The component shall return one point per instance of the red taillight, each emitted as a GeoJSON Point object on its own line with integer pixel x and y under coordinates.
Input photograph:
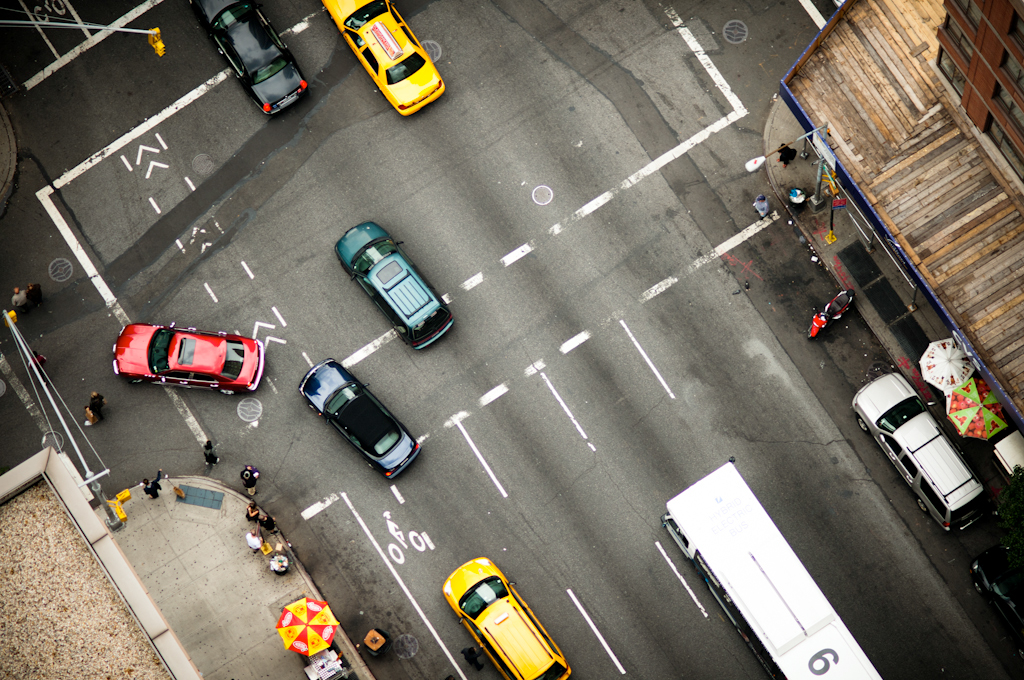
{"type": "Point", "coordinates": [302, 85]}
{"type": "Point", "coordinates": [403, 107]}
{"type": "Point", "coordinates": [266, 108]}
{"type": "Point", "coordinates": [388, 473]}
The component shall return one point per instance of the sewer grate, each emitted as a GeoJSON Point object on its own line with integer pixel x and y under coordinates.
{"type": "Point", "coordinates": [885, 300]}
{"type": "Point", "coordinates": [910, 336]}
{"type": "Point", "coordinates": [61, 269]}
{"type": "Point", "coordinates": [204, 498]}
{"type": "Point", "coordinates": [859, 264]}
{"type": "Point", "coordinates": [433, 50]}
{"type": "Point", "coordinates": [735, 31]}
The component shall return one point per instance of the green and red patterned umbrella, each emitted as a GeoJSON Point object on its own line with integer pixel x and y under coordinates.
{"type": "Point", "coordinates": [974, 410]}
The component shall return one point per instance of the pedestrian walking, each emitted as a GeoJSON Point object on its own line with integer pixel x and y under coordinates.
{"type": "Point", "coordinates": [208, 454]}
{"type": "Point", "coordinates": [268, 523]}
{"type": "Point", "coordinates": [96, 404]}
{"type": "Point", "coordinates": [34, 292]}
{"type": "Point", "coordinates": [153, 488]}
{"type": "Point", "coordinates": [786, 155]}
{"type": "Point", "coordinates": [471, 654]}
{"type": "Point", "coordinates": [252, 513]}
{"type": "Point", "coordinates": [20, 300]}
{"type": "Point", "coordinates": [250, 475]}
{"type": "Point", "coordinates": [253, 540]}
{"type": "Point", "coordinates": [761, 205]}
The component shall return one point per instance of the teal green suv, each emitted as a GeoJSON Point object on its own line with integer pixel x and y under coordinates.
{"type": "Point", "coordinates": [374, 259]}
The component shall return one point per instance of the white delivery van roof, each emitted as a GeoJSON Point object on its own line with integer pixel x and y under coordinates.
{"type": "Point", "coordinates": [739, 542]}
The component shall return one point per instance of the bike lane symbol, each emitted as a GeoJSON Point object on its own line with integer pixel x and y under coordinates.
{"type": "Point", "coordinates": [419, 540]}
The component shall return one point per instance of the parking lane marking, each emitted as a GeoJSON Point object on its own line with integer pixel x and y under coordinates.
{"type": "Point", "coordinates": [516, 254]}
{"type": "Point", "coordinates": [210, 291]}
{"type": "Point", "coordinates": [493, 394]}
{"type": "Point", "coordinates": [574, 342]}
{"type": "Point", "coordinates": [401, 583]}
{"type": "Point", "coordinates": [39, 29]}
{"type": "Point", "coordinates": [600, 638]}
{"type": "Point", "coordinates": [394, 490]}
{"type": "Point", "coordinates": [533, 368]}
{"type": "Point", "coordinates": [280, 318]}
{"type": "Point", "coordinates": [247, 270]}
{"type": "Point", "coordinates": [680, 577]}
{"type": "Point", "coordinates": [192, 187]}
{"type": "Point", "coordinates": [318, 507]}
{"type": "Point", "coordinates": [308, 360]}
{"type": "Point", "coordinates": [579, 428]}
{"type": "Point", "coordinates": [456, 421]}
{"type": "Point", "coordinates": [157, 209]}
{"type": "Point", "coordinates": [650, 363]}
{"type": "Point", "coordinates": [473, 281]}
{"type": "Point", "coordinates": [369, 349]}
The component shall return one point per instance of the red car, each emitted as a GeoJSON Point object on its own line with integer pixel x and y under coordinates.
{"type": "Point", "coordinates": [188, 358]}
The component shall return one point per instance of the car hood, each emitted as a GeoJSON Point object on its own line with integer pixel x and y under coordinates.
{"type": "Point", "coordinates": [879, 396]}
{"type": "Point", "coordinates": [132, 349]}
{"type": "Point", "coordinates": [280, 85]}
{"type": "Point", "coordinates": [355, 238]}
{"type": "Point", "coordinates": [323, 380]}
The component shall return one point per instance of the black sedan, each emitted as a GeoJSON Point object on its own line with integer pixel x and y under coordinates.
{"type": "Point", "coordinates": [345, 403]}
{"type": "Point", "coordinates": [1003, 586]}
{"type": "Point", "coordinates": [257, 55]}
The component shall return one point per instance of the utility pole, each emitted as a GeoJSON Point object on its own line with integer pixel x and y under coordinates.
{"type": "Point", "coordinates": [153, 33]}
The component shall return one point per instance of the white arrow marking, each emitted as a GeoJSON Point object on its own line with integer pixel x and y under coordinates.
{"type": "Point", "coordinates": [256, 328]}
{"type": "Point", "coordinates": [143, 147]}
{"type": "Point", "coordinates": [153, 164]}
{"type": "Point", "coordinates": [271, 338]}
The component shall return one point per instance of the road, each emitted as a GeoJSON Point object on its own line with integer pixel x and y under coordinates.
{"type": "Point", "coordinates": [604, 356]}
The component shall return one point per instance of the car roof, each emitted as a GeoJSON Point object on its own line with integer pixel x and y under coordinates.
{"type": "Point", "coordinates": [882, 394]}
{"type": "Point", "coordinates": [515, 637]}
{"type": "Point", "coordinates": [253, 44]}
{"type": "Point", "coordinates": [197, 352]}
{"type": "Point", "coordinates": [407, 294]}
{"type": "Point", "coordinates": [355, 238]}
{"type": "Point", "coordinates": [362, 417]}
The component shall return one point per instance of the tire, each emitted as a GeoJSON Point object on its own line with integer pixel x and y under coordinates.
{"type": "Point", "coordinates": [862, 425]}
{"type": "Point", "coordinates": [920, 504]}
{"type": "Point", "coordinates": [226, 392]}
{"type": "Point", "coordinates": [982, 592]}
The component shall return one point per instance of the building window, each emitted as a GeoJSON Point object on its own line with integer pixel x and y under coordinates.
{"type": "Point", "coordinates": [1014, 111]}
{"type": "Point", "coordinates": [1017, 29]}
{"type": "Point", "coordinates": [959, 38]}
{"type": "Point", "coordinates": [970, 10]}
{"type": "Point", "coordinates": [956, 78]}
{"type": "Point", "coordinates": [998, 136]}
{"type": "Point", "coordinates": [1012, 68]}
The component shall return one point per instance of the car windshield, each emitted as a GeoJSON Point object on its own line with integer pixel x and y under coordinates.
{"type": "Point", "coordinates": [269, 70]}
{"type": "Point", "coordinates": [899, 414]}
{"type": "Point", "coordinates": [1010, 584]}
{"type": "Point", "coordinates": [231, 15]}
{"type": "Point", "coordinates": [482, 595]}
{"type": "Point", "coordinates": [234, 359]}
{"type": "Point", "coordinates": [405, 68]}
{"type": "Point", "coordinates": [373, 254]}
{"type": "Point", "coordinates": [342, 397]}
{"type": "Point", "coordinates": [158, 349]}
{"type": "Point", "coordinates": [385, 443]}
{"type": "Point", "coordinates": [364, 14]}
{"type": "Point", "coordinates": [556, 671]}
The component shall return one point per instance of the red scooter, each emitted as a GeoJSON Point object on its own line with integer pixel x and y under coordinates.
{"type": "Point", "coordinates": [833, 310]}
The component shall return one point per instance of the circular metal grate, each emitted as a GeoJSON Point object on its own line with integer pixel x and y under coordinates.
{"type": "Point", "coordinates": [735, 31]}
{"type": "Point", "coordinates": [433, 50]}
{"type": "Point", "coordinates": [61, 269]}
{"type": "Point", "coordinates": [406, 646]}
{"type": "Point", "coordinates": [542, 195]}
{"type": "Point", "coordinates": [53, 439]}
{"type": "Point", "coordinates": [250, 409]}
{"type": "Point", "coordinates": [203, 164]}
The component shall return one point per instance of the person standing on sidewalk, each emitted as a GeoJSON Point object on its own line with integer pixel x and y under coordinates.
{"type": "Point", "coordinates": [34, 292]}
{"type": "Point", "coordinates": [250, 475]}
{"type": "Point", "coordinates": [268, 523]}
{"type": "Point", "coordinates": [20, 300]}
{"type": "Point", "coordinates": [96, 404]}
{"type": "Point", "coordinates": [761, 205]}
{"type": "Point", "coordinates": [252, 513]}
{"type": "Point", "coordinates": [208, 454]}
{"type": "Point", "coordinates": [471, 654]}
{"type": "Point", "coordinates": [153, 489]}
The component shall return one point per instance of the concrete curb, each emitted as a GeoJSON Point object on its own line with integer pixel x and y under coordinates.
{"type": "Point", "coordinates": [8, 159]}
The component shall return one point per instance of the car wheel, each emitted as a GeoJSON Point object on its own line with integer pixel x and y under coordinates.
{"type": "Point", "coordinates": [862, 425]}
{"type": "Point", "coordinates": [136, 381]}
{"type": "Point", "coordinates": [226, 392]}
{"type": "Point", "coordinates": [978, 588]}
{"type": "Point", "coordinates": [920, 504]}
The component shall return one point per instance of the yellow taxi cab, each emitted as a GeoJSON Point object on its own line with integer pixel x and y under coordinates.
{"type": "Point", "coordinates": [390, 53]}
{"type": "Point", "coordinates": [501, 622]}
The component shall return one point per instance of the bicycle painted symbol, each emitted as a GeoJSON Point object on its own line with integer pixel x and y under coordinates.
{"type": "Point", "coordinates": [417, 539]}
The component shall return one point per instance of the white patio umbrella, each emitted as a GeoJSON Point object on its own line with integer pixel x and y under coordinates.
{"type": "Point", "coordinates": [945, 365]}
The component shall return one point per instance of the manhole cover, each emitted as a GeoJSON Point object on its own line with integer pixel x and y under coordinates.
{"type": "Point", "coordinates": [53, 439]}
{"type": "Point", "coordinates": [433, 49]}
{"type": "Point", "coordinates": [250, 409]}
{"type": "Point", "coordinates": [542, 195]}
{"type": "Point", "coordinates": [61, 269]}
{"type": "Point", "coordinates": [202, 164]}
{"type": "Point", "coordinates": [735, 31]}
{"type": "Point", "coordinates": [406, 646]}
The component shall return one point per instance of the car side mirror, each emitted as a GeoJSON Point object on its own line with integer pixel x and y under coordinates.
{"type": "Point", "coordinates": [353, 276]}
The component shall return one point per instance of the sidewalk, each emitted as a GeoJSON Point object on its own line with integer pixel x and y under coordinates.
{"type": "Point", "coordinates": [219, 597]}
{"type": "Point", "coordinates": [884, 295]}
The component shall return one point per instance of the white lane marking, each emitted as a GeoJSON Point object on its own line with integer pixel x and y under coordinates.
{"type": "Point", "coordinates": [516, 254]}
{"type": "Point", "coordinates": [473, 281]}
{"type": "Point", "coordinates": [716, 254]}
{"type": "Point", "coordinates": [39, 29]}
{"type": "Point", "coordinates": [182, 408]}
{"type": "Point", "coordinates": [127, 164]}
{"type": "Point", "coordinates": [140, 130]}
{"type": "Point", "coordinates": [318, 507]}
{"type": "Point", "coordinates": [154, 164]}
{"type": "Point", "coordinates": [401, 583]}
{"type": "Point", "coordinates": [446, 298]}
{"type": "Point", "coordinates": [23, 395]}
{"type": "Point", "coordinates": [579, 428]}
{"type": "Point", "coordinates": [705, 61]}
{"type": "Point", "coordinates": [600, 637]}
{"type": "Point", "coordinates": [456, 421]}
{"type": "Point", "coordinates": [279, 317]}
{"type": "Point", "coordinates": [394, 490]}
{"type": "Point", "coordinates": [574, 342]}
{"type": "Point", "coordinates": [369, 349]}
{"type": "Point", "coordinates": [493, 394]}
{"type": "Point", "coordinates": [247, 270]}
{"type": "Point", "coordinates": [680, 577]}
{"type": "Point", "coordinates": [533, 368]}
{"type": "Point", "coordinates": [300, 27]}
{"type": "Point", "coordinates": [259, 324]}
{"type": "Point", "coordinates": [813, 12]}
{"type": "Point", "coordinates": [180, 247]}
{"type": "Point", "coordinates": [77, 18]}
{"type": "Point", "coordinates": [93, 40]}
{"type": "Point", "coordinates": [271, 338]}
{"type": "Point", "coordinates": [143, 147]}
{"type": "Point", "coordinates": [192, 187]}
{"type": "Point", "coordinates": [308, 361]}
{"type": "Point", "coordinates": [650, 363]}
{"type": "Point", "coordinates": [157, 209]}
{"type": "Point", "coordinates": [423, 438]}
{"type": "Point", "coordinates": [210, 291]}
{"type": "Point", "coordinates": [161, 140]}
